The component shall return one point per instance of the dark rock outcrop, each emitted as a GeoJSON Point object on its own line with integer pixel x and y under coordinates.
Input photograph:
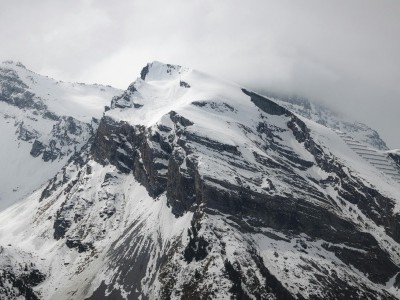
{"type": "Point", "coordinates": [18, 282]}
{"type": "Point", "coordinates": [144, 72]}
{"type": "Point", "coordinates": [266, 105]}
{"type": "Point", "coordinates": [396, 158]}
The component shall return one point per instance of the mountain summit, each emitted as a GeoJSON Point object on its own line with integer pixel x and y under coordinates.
{"type": "Point", "coordinates": [191, 187]}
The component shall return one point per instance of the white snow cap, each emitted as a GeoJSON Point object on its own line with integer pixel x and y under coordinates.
{"type": "Point", "coordinates": [160, 71]}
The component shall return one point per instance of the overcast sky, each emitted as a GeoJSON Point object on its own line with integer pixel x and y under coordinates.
{"type": "Point", "coordinates": [346, 53]}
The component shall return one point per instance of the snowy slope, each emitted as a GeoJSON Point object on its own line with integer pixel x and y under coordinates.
{"type": "Point", "coordinates": [195, 188]}
{"type": "Point", "coordinates": [42, 122]}
{"type": "Point", "coordinates": [78, 100]}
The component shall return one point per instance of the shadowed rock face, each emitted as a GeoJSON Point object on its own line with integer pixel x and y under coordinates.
{"type": "Point", "coordinates": [15, 92]}
{"type": "Point", "coordinates": [396, 158]}
{"type": "Point", "coordinates": [144, 72]}
{"type": "Point", "coordinates": [128, 149]}
{"type": "Point", "coordinates": [266, 105]}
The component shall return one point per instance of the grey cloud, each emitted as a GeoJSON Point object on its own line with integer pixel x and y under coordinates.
{"type": "Point", "coordinates": [345, 53]}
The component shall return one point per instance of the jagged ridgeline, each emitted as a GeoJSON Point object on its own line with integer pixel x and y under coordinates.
{"type": "Point", "coordinates": [190, 187]}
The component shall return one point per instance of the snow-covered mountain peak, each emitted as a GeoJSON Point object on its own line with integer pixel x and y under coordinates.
{"type": "Point", "coordinates": [25, 88]}
{"type": "Point", "coordinates": [161, 71]}
{"type": "Point", "coordinates": [167, 88]}
{"type": "Point", "coordinates": [196, 188]}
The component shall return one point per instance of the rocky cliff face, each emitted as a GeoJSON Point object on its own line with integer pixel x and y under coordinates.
{"type": "Point", "coordinates": [209, 191]}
